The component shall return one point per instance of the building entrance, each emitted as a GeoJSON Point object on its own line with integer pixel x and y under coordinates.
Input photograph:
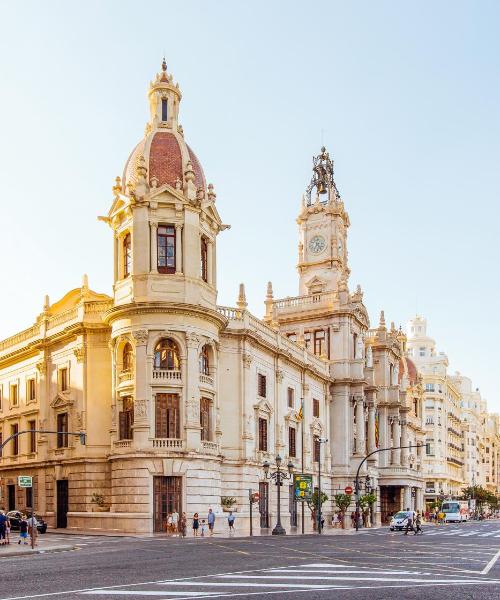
{"type": "Point", "coordinates": [62, 504]}
{"type": "Point", "coordinates": [167, 498]}
{"type": "Point", "coordinates": [390, 501]}
{"type": "Point", "coordinates": [11, 497]}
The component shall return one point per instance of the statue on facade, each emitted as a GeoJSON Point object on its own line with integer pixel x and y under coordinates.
{"type": "Point", "coordinates": [369, 357]}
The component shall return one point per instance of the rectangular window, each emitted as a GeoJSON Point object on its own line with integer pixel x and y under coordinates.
{"type": "Point", "coordinates": [316, 449]}
{"type": "Point", "coordinates": [167, 416]}
{"type": "Point", "coordinates": [292, 438]}
{"type": "Point", "coordinates": [14, 395]}
{"type": "Point", "coordinates": [32, 438]}
{"type": "Point", "coordinates": [290, 397]}
{"type": "Point", "coordinates": [15, 441]}
{"type": "Point", "coordinates": [315, 408]}
{"type": "Point", "coordinates": [307, 339]}
{"type": "Point", "coordinates": [204, 259]}
{"type": "Point", "coordinates": [63, 379]}
{"type": "Point", "coordinates": [62, 430]}
{"type": "Point", "coordinates": [164, 109]}
{"type": "Point", "coordinates": [31, 390]}
{"type": "Point", "coordinates": [429, 387]}
{"type": "Point", "coordinates": [421, 351]}
{"type": "Point", "coordinates": [292, 337]}
{"type": "Point", "coordinates": [166, 249]}
{"type": "Point", "coordinates": [206, 433]}
{"type": "Point", "coordinates": [261, 385]}
{"type": "Point", "coordinates": [127, 255]}
{"type": "Point", "coordinates": [127, 419]}
{"type": "Point", "coordinates": [319, 342]}
{"type": "Point", "coordinates": [263, 435]}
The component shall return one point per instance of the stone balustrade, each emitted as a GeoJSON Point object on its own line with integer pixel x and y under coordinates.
{"type": "Point", "coordinates": [206, 379]}
{"type": "Point", "coordinates": [167, 374]}
{"type": "Point", "coordinates": [168, 443]}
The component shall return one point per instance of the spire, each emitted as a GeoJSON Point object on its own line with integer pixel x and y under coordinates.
{"type": "Point", "coordinates": [382, 320]}
{"type": "Point", "coordinates": [164, 65]}
{"type": "Point", "coordinates": [242, 299]}
{"type": "Point", "coordinates": [46, 304]}
{"type": "Point", "coordinates": [322, 180]}
{"type": "Point", "coordinates": [269, 294]}
{"type": "Point", "coordinates": [164, 97]}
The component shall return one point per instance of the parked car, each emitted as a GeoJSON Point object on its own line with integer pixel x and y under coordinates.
{"type": "Point", "coordinates": [15, 518]}
{"type": "Point", "coordinates": [398, 521]}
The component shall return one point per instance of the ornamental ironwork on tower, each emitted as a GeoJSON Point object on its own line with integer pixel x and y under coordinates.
{"type": "Point", "coordinates": [322, 179]}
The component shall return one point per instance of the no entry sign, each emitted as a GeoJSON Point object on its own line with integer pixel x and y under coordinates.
{"type": "Point", "coordinates": [348, 489]}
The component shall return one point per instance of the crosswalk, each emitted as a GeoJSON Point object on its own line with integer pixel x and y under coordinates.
{"type": "Point", "coordinates": [445, 531]}
{"type": "Point", "coordinates": [289, 579]}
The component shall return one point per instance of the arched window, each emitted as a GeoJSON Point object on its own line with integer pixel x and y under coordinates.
{"type": "Point", "coordinates": [128, 357]}
{"type": "Point", "coordinates": [127, 255]}
{"type": "Point", "coordinates": [167, 355]}
{"type": "Point", "coordinates": [204, 361]}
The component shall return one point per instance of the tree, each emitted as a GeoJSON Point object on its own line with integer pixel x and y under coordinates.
{"type": "Point", "coordinates": [343, 501]}
{"type": "Point", "coordinates": [313, 505]}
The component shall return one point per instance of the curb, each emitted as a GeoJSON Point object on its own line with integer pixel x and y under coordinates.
{"type": "Point", "coordinates": [37, 551]}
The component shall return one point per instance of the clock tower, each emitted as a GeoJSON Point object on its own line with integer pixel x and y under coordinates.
{"type": "Point", "coordinates": [323, 224]}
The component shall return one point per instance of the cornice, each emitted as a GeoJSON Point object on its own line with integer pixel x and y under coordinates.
{"type": "Point", "coordinates": [141, 308]}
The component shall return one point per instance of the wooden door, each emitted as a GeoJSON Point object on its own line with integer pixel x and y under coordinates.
{"type": "Point", "coordinates": [167, 417]}
{"type": "Point", "coordinates": [167, 498]}
{"type": "Point", "coordinates": [264, 504]}
{"type": "Point", "coordinates": [11, 496]}
{"type": "Point", "coordinates": [62, 504]}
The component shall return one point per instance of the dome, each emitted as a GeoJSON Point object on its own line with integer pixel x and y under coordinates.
{"type": "Point", "coordinates": [408, 369]}
{"type": "Point", "coordinates": [166, 155]}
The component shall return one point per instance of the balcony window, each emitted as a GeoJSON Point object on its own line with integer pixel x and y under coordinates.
{"type": "Point", "coordinates": [261, 385]}
{"type": "Point", "coordinates": [204, 361]}
{"type": "Point", "coordinates": [166, 249]}
{"type": "Point", "coordinates": [263, 435]}
{"type": "Point", "coordinates": [290, 397]}
{"type": "Point", "coordinates": [128, 357]}
{"type": "Point", "coordinates": [167, 355]}
{"type": "Point", "coordinates": [62, 430]}
{"type": "Point", "coordinates": [126, 418]}
{"type": "Point", "coordinates": [205, 421]}
{"type": "Point", "coordinates": [14, 429]}
{"type": "Point", "coordinates": [292, 439]}
{"type": "Point", "coordinates": [32, 436]}
{"type": "Point", "coordinates": [167, 416]}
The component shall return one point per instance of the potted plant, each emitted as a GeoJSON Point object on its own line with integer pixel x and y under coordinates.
{"type": "Point", "coordinates": [227, 503]}
{"type": "Point", "coordinates": [100, 504]}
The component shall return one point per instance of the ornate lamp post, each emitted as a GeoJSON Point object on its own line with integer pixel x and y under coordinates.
{"type": "Point", "coordinates": [279, 475]}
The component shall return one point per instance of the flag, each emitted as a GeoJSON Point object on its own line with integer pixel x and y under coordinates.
{"type": "Point", "coordinates": [376, 430]}
{"type": "Point", "coordinates": [300, 416]}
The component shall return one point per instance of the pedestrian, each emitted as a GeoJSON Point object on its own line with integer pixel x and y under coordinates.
{"type": "Point", "coordinates": [418, 523]}
{"type": "Point", "coordinates": [32, 523]}
{"type": "Point", "coordinates": [169, 523]}
{"type": "Point", "coordinates": [203, 528]}
{"type": "Point", "coordinates": [175, 522]}
{"type": "Point", "coordinates": [183, 525]}
{"type": "Point", "coordinates": [353, 519]}
{"type": "Point", "coordinates": [23, 530]}
{"type": "Point", "coordinates": [335, 520]}
{"type": "Point", "coordinates": [410, 517]}
{"type": "Point", "coordinates": [211, 521]}
{"type": "Point", "coordinates": [196, 524]}
{"type": "Point", "coordinates": [3, 521]}
{"type": "Point", "coordinates": [230, 522]}
{"type": "Point", "coordinates": [7, 529]}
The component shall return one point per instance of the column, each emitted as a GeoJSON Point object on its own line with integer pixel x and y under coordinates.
{"type": "Point", "coordinates": [396, 441]}
{"type": "Point", "coordinates": [340, 426]}
{"type": "Point", "coordinates": [372, 445]}
{"type": "Point", "coordinates": [210, 262]}
{"type": "Point", "coordinates": [360, 426]}
{"type": "Point", "coordinates": [154, 247]}
{"type": "Point", "coordinates": [116, 257]}
{"type": "Point", "coordinates": [178, 248]}
{"type": "Point", "coordinates": [406, 497]}
{"type": "Point", "coordinates": [383, 433]}
{"type": "Point", "coordinates": [192, 387]}
{"type": "Point", "coordinates": [404, 442]}
{"type": "Point", "coordinates": [141, 423]}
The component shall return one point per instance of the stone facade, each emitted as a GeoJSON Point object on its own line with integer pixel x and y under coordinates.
{"type": "Point", "coordinates": [181, 399]}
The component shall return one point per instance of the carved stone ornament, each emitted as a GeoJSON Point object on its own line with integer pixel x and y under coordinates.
{"type": "Point", "coordinates": [192, 340]}
{"type": "Point", "coordinates": [42, 367]}
{"type": "Point", "coordinates": [193, 412]}
{"type": "Point", "coordinates": [247, 360]}
{"type": "Point", "coordinates": [79, 354]}
{"type": "Point", "coordinates": [140, 408]}
{"type": "Point", "coordinates": [141, 336]}
{"type": "Point", "coordinates": [279, 375]}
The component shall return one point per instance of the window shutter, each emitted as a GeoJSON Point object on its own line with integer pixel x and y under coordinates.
{"type": "Point", "coordinates": [123, 425]}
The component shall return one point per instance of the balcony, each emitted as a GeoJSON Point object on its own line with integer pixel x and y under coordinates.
{"type": "Point", "coordinates": [123, 444]}
{"type": "Point", "coordinates": [206, 380]}
{"type": "Point", "coordinates": [125, 376]}
{"type": "Point", "coordinates": [168, 443]}
{"type": "Point", "coordinates": [167, 375]}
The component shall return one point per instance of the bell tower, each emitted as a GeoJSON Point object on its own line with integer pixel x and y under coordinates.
{"type": "Point", "coordinates": [323, 224]}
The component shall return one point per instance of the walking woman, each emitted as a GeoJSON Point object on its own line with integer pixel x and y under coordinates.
{"type": "Point", "coordinates": [196, 524]}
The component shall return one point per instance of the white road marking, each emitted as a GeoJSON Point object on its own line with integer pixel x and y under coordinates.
{"type": "Point", "coordinates": [488, 534]}
{"type": "Point", "coordinates": [146, 593]}
{"type": "Point", "coordinates": [489, 566]}
{"type": "Point", "coordinates": [304, 586]}
{"type": "Point", "coordinates": [336, 578]}
{"type": "Point", "coordinates": [370, 572]}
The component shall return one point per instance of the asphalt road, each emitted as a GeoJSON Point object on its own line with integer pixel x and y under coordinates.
{"type": "Point", "coordinates": [452, 562]}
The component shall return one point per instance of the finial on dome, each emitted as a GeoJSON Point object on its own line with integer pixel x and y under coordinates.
{"type": "Point", "coordinates": [269, 294]}
{"type": "Point", "coordinates": [211, 192]}
{"type": "Point", "coordinates": [242, 299]}
{"type": "Point", "coordinates": [382, 320]}
{"type": "Point", "coordinates": [117, 188]}
{"type": "Point", "coordinates": [85, 281]}
{"type": "Point", "coordinates": [46, 304]}
{"type": "Point", "coordinates": [164, 65]}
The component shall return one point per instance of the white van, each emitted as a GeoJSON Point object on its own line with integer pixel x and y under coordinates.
{"type": "Point", "coordinates": [455, 511]}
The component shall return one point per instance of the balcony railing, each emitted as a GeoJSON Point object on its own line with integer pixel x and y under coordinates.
{"type": "Point", "coordinates": [123, 443]}
{"type": "Point", "coordinates": [168, 443]}
{"type": "Point", "coordinates": [125, 376]}
{"type": "Point", "coordinates": [167, 374]}
{"type": "Point", "coordinates": [210, 447]}
{"type": "Point", "coordinates": [206, 379]}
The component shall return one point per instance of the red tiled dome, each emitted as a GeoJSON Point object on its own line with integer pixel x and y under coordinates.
{"type": "Point", "coordinates": [411, 369]}
{"type": "Point", "coordinates": [166, 157]}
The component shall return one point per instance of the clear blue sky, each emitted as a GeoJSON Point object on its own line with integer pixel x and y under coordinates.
{"type": "Point", "coordinates": [407, 97]}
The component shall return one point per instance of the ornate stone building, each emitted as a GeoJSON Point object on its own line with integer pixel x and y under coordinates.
{"type": "Point", "coordinates": [182, 399]}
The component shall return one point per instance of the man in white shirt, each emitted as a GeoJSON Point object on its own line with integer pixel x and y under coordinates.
{"type": "Point", "coordinates": [175, 521]}
{"type": "Point", "coordinates": [410, 520]}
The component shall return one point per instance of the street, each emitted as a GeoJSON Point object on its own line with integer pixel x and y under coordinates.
{"type": "Point", "coordinates": [453, 561]}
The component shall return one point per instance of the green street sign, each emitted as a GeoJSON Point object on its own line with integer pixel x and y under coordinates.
{"type": "Point", "coordinates": [25, 481]}
{"type": "Point", "coordinates": [303, 487]}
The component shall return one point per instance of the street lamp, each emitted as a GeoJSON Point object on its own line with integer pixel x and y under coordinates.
{"type": "Point", "coordinates": [279, 475]}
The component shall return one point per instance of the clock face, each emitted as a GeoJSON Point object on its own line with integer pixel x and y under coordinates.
{"type": "Point", "coordinates": [317, 244]}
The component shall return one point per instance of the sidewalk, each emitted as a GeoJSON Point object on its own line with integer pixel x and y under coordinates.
{"type": "Point", "coordinates": [44, 544]}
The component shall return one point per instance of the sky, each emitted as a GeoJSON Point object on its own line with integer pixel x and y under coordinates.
{"type": "Point", "coordinates": [405, 95]}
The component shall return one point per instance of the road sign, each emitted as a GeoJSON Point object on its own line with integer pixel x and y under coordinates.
{"type": "Point", "coordinates": [303, 487]}
{"type": "Point", "coordinates": [25, 481]}
{"type": "Point", "coordinates": [254, 497]}
{"type": "Point", "coordinates": [348, 490]}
